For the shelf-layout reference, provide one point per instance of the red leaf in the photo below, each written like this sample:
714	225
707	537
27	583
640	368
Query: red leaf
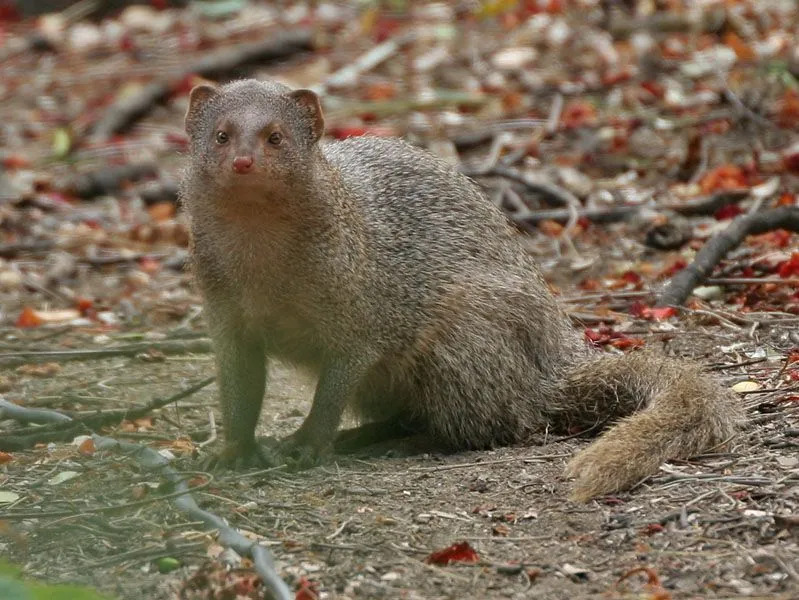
14	161
639	309
725	177
28	318
631	277
578	113
790	267
677	265
627	343
653	528
728	212
460	552
791	162
308	590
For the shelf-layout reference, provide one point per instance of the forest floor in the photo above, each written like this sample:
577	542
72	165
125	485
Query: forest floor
626	108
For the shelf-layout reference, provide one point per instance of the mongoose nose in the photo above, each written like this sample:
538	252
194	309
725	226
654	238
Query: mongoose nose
242	164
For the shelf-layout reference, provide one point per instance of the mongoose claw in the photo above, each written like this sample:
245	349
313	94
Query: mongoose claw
237	457
299	454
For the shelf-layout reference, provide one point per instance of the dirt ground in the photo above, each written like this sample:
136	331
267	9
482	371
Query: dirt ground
720	526
607	101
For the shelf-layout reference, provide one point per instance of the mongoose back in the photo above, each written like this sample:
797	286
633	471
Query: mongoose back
392	276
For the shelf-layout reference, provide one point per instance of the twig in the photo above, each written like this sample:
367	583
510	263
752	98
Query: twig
613	214
126	110
551	192
708	205
14	359
150	459
70	426
107	180
684	282
366	62
34	247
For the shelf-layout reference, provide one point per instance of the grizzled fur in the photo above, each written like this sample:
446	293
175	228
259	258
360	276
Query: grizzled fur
391	276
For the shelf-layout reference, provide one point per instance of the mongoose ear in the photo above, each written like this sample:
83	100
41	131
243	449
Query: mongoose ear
309	101
198	97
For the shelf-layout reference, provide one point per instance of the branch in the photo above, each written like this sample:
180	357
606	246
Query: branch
108	179
684	282
61	427
127	110
551	192
14	359
152	460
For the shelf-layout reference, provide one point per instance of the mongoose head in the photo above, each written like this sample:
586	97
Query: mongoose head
255	138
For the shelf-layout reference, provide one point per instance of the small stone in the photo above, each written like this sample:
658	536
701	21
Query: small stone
10	280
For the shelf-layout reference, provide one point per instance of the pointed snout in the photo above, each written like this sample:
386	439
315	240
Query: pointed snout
242	164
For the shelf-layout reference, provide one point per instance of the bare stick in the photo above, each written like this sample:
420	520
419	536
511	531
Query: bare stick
551	192
684	282
708	205
365	62
152	460
107	180
62	427
125	111
14	359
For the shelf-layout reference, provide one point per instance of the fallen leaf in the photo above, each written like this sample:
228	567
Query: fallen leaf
8	497
459	552
87	447
62	477
42	370
307	590
28	318
746	386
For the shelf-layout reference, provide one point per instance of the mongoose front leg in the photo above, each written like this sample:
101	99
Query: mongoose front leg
241	368
337	386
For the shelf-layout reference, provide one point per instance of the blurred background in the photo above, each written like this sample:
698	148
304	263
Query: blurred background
590	122
618	136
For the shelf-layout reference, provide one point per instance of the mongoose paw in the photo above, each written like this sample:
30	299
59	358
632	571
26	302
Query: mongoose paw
300	454
242	456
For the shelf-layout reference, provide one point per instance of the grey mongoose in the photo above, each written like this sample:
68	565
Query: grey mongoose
392	277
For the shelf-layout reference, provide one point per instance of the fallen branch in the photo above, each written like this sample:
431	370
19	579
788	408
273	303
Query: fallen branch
348	74
684	282
710	204
152	460
127	110
35	247
108	180
14	359
613	214
549	191
61	427
262	559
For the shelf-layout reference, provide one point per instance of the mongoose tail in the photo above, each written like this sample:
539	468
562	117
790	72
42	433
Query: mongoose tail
682	412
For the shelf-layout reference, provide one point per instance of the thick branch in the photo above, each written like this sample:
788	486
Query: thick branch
684	282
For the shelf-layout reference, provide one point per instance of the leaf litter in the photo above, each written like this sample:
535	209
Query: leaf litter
589	123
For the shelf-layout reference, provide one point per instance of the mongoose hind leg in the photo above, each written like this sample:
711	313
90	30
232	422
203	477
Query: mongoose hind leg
369	434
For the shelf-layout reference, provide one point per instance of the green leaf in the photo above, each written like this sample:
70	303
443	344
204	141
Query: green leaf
167	564
62	142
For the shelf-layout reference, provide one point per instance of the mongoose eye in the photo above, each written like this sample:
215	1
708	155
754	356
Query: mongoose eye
275	138
221	137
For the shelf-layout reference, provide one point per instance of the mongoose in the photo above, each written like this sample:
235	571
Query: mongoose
392	276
